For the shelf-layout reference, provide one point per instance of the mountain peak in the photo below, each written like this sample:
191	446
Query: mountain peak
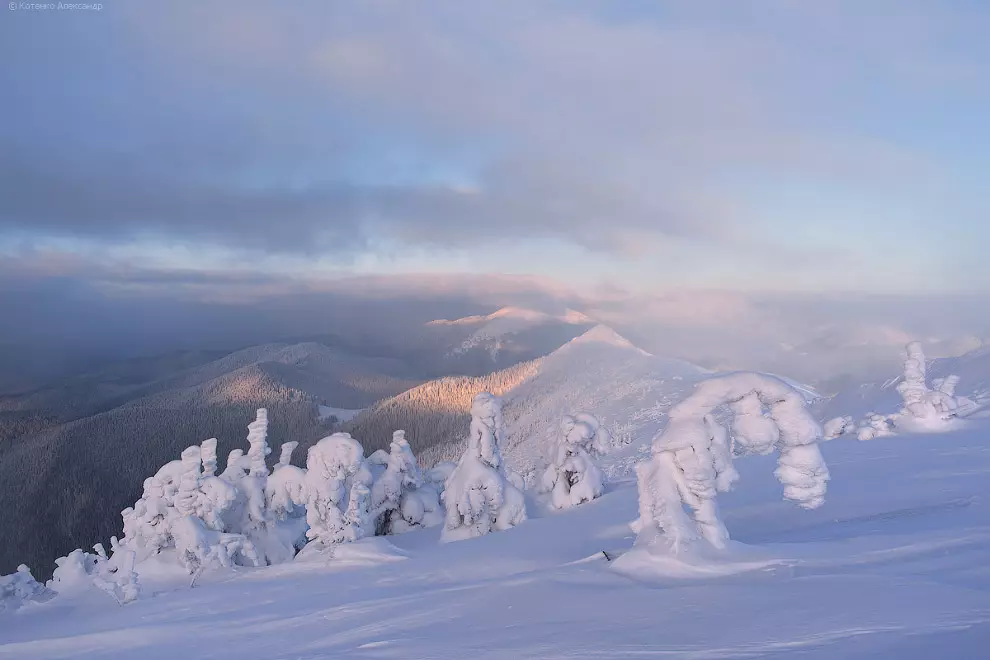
603	334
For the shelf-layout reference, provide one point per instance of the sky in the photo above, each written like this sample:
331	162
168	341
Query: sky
715	179
764	146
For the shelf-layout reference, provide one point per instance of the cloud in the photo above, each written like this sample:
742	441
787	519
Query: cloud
350	129
121	309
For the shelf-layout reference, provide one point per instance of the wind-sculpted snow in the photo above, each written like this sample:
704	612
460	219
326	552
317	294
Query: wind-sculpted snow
572	476
692	458
927	408
479	496
401	499
20	588
337	482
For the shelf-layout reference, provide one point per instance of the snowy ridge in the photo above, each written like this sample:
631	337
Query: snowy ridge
490	330
602	334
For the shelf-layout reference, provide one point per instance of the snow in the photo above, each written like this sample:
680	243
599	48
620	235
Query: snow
892	566
573	476
604	374
342	414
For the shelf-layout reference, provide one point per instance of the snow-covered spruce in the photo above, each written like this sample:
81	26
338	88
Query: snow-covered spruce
20	588
186	512
478	495
275	535
927	409
285	489
692	460
338	482
572	476
401	499
252	516
207	520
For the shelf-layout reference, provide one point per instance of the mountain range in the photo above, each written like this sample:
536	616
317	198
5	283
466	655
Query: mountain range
74	453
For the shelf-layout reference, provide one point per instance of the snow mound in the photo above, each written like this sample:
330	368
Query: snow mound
363	553
702	562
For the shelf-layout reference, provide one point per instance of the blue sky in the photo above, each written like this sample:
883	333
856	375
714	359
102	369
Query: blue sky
797	146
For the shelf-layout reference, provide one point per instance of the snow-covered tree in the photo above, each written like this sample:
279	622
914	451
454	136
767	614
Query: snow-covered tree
692	457
285	489
478	495
837	426
285	455
199	548
396	472
19	588
572	476
401	498
179	489
874	425
337	491
113	574
926	409
274	540
209	520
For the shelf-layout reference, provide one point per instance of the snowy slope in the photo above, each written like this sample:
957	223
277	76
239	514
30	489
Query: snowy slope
893	566
600	372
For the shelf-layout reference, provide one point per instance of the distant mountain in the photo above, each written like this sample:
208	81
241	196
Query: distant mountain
598	371
477	345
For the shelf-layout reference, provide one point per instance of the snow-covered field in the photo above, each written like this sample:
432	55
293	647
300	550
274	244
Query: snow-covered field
894	565
342	414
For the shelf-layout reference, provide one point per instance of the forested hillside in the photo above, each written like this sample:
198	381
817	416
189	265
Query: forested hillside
72	456
435	413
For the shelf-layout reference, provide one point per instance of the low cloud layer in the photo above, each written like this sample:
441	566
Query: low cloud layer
72	313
